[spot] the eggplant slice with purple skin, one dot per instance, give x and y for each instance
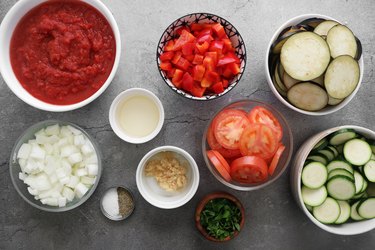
(283, 37)
(312, 22)
(308, 96)
(359, 49)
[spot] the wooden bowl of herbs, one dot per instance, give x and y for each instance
(219, 216)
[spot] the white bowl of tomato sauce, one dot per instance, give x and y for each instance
(59, 55)
(247, 145)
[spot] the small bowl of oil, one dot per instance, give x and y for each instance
(136, 115)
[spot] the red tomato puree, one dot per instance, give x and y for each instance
(62, 52)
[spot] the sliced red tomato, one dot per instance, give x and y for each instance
(249, 169)
(258, 140)
(214, 144)
(228, 127)
(275, 159)
(264, 116)
(220, 164)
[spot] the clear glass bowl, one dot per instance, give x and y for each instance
(21, 187)
(287, 140)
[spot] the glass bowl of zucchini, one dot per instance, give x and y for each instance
(333, 179)
(314, 64)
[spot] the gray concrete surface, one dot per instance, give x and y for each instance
(273, 220)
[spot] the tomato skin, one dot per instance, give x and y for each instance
(220, 164)
(258, 140)
(215, 145)
(249, 169)
(275, 159)
(228, 127)
(262, 115)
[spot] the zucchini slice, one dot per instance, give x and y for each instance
(341, 136)
(342, 77)
(344, 212)
(289, 81)
(369, 170)
(328, 153)
(339, 165)
(305, 56)
(358, 181)
(321, 144)
(353, 212)
(341, 188)
(328, 212)
(341, 41)
(314, 175)
(310, 208)
(341, 172)
(334, 150)
(319, 158)
(308, 96)
(323, 28)
(366, 208)
(371, 189)
(333, 101)
(314, 197)
(357, 152)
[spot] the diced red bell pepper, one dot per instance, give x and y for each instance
(225, 83)
(228, 58)
(185, 37)
(176, 57)
(177, 78)
(188, 49)
(213, 55)
(208, 63)
(234, 68)
(197, 90)
(187, 82)
(170, 73)
(165, 66)
(205, 38)
(227, 73)
(204, 32)
(210, 78)
(179, 30)
(198, 72)
(198, 59)
(190, 58)
(196, 27)
(169, 46)
(219, 30)
(217, 46)
(202, 48)
(166, 56)
(217, 88)
(228, 47)
(183, 64)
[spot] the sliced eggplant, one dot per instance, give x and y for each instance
(341, 41)
(359, 49)
(312, 22)
(308, 96)
(289, 81)
(323, 28)
(333, 101)
(342, 77)
(305, 56)
(319, 80)
(278, 81)
(278, 44)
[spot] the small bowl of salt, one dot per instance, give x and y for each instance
(117, 203)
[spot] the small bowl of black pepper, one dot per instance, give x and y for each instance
(117, 203)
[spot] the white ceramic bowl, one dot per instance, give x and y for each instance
(6, 30)
(327, 110)
(124, 96)
(350, 228)
(155, 195)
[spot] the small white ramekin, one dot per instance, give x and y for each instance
(327, 110)
(350, 228)
(126, 95)
(157, 196)
(7, 27)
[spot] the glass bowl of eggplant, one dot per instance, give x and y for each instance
(314, 64)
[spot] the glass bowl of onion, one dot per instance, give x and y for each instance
(55, 166)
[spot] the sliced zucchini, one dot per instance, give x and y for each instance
(328, 153)
(314, 175)
(321, 144)
(357, 152)
(313, 197)
(341, 188)
(310, 208)
(305, 56)
(372, 156)
(334, 150)
(371, 189)
(358, 196)
(312, 22)
(323, 28)
(289, 81)
(344, 212)
(328, 212)
(365, 185)
(341, 41)
(353, 212)
(319, 158)
(358, 181)
(342, 77)
(333, 101)
(369, 170)
(308, 96)
(340, 172)
(341, 136)
(372, 145)
(366, 208)
(359, 49)
(339, 165)
(340, 148)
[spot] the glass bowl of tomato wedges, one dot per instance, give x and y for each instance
(201, 56)
(247, 145)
